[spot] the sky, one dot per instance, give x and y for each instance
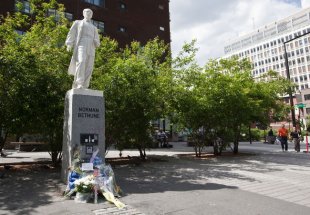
(213, 23)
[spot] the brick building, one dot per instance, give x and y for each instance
(122, 20)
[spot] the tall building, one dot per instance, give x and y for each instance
(264, 47)
(122, 20)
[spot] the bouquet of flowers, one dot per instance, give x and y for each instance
(85, 184)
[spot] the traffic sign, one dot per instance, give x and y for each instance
(301, 105)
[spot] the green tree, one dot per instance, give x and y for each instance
(217, 100)
(37, 76)
(189, 98)
(134, 82)
(238, 99)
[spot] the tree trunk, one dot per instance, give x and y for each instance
(196, 150)
(142, 153)
(2, 142)
(55, 158)
(215, 148)
(236, 141)
(250, 134)
(236, 147)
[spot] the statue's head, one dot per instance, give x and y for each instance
(87, 13)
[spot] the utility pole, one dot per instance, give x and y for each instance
(289, 78)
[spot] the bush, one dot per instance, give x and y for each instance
(256, 134)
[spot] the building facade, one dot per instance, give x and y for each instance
(264, 48)
(122, 20)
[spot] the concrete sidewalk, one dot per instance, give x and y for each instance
(20, 157)
(15, 156)
(267, 181)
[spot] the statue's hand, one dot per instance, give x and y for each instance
(69, 48)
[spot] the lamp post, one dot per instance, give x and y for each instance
(288, 76)
(290, 89)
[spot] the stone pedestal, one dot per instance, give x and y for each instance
(84, 129)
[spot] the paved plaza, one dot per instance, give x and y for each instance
(261, 180)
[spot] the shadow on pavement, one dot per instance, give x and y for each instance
(175, 175)
(22, 191)
(192, 174)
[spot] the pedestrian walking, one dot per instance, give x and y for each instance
(282, 133)
(295, 134)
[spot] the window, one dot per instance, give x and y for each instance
(100, 3)
(20, 32)
(123, 6)
(122, 29)
(298, 60)
(69, 16)
(99, 25)
(307, 97)
(296, 43)
(25, 7)
(161, 28)
(53, 12)
(160, 6)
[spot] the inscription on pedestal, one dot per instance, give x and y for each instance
(83, 126)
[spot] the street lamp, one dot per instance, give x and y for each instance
(289, 78)
(290, 89)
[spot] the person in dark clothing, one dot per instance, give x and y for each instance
(162, 138)
(295, 134)
(271, 137)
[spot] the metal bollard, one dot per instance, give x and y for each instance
(307, 144)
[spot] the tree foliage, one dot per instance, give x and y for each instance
(217, 100)
(135, 83)
(141, 83)
(33, 73)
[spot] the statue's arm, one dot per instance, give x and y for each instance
(72, 35)
(96, 40)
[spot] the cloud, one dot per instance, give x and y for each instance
(305, 3)
(214, 23)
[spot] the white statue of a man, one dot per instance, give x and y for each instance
(84, 39)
